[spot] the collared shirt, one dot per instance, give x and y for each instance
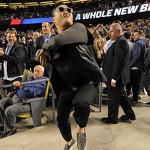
(8, 48)
(46, 38)
(108, 44)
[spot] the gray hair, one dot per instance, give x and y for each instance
(118, 27)
(41, 67)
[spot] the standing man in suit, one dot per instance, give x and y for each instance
(12, 58)
(117, 71)
(46, 35)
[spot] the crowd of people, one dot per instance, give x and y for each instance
(45, 11)
(142, 24)
(81, 58)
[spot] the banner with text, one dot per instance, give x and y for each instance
(113, 12)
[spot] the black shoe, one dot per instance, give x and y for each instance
(7, 133)
(132, 118)
(109, 120)
(1, 128)
(126, 119)
(148, 103)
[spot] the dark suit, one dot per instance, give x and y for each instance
(117, 67)
(39, 45)
(40, 42)
(31, 48)
(15, 60)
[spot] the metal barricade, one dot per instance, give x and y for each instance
(97, 101)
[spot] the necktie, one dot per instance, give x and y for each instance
(8, 49)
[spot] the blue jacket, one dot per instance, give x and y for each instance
(32, 90)
(138, 54)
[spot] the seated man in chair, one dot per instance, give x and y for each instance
(27, 91)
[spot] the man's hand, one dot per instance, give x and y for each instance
(1, 52)
(100, 27)
(17, 84)
(113, 83)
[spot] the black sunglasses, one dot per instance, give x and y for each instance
(62, 9)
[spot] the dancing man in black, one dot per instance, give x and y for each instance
(74, 63)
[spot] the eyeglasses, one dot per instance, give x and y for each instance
(62, 9)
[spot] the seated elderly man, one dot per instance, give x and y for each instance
(29, 90)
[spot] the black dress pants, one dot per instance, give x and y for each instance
(136, 79)
(117, 96)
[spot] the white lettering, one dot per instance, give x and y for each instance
(103, 14)
(144, 8)
(93, 15)
(78, 17)
(132, 9)
(117, 11)
(124, 11)
(109, 12)
(149, 8)
(98, 14)
(86, 16)
(114, 12)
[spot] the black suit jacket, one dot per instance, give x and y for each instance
(117, 61)
(39, 43)
(31, 47)
(15, 60)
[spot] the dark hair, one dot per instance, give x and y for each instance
(53, 11)
(127, 35)
(11, 30)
